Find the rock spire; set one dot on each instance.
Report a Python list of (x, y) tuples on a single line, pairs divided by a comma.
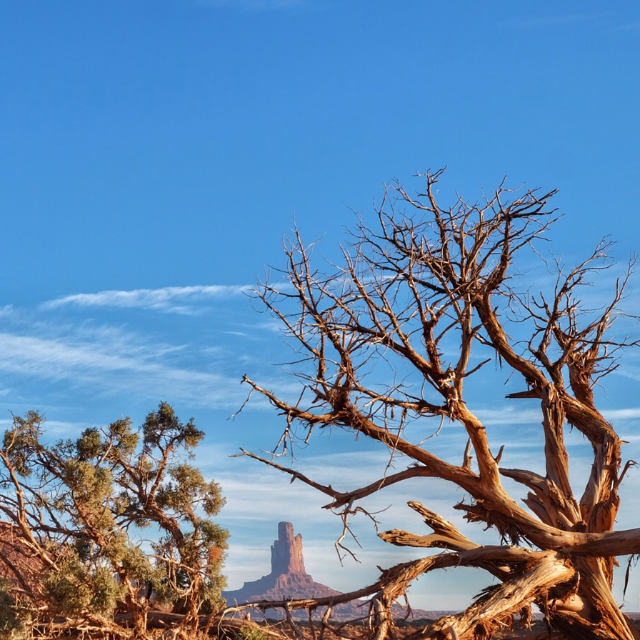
[(288, 577), (286, 552)]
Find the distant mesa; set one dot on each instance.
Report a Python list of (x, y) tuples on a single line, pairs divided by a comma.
[(289, 580)]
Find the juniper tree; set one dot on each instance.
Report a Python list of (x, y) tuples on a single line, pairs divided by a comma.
[(73, 513), (431, 294)]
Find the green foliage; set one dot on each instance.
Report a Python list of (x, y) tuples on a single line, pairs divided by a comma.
[(186, 488), (250, 632), (19, 443), (163, 426), (72, 587), (85, 500)]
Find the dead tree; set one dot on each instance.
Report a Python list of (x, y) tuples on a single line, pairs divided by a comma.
[(429, 282)]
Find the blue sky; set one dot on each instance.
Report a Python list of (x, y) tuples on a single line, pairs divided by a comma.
[(153, 154)]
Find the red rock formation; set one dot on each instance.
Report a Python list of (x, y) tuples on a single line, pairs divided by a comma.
[(18, 565), (289, 580), (286, 551), (288, 577)]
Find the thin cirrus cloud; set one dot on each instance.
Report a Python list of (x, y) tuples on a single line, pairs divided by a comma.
[(166, 299), (113, 366)]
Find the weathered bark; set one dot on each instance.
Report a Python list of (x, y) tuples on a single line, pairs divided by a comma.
[(497, 609)]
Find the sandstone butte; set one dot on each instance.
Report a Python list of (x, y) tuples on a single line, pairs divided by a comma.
[(289, 580)]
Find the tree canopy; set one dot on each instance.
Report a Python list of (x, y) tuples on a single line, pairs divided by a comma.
[(73, 515)]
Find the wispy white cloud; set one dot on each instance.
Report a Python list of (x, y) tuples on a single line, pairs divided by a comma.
[(113, 363), (55, 428), (508, 415), (7, 311), (167, 299), (632, 413), (137, 360)]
